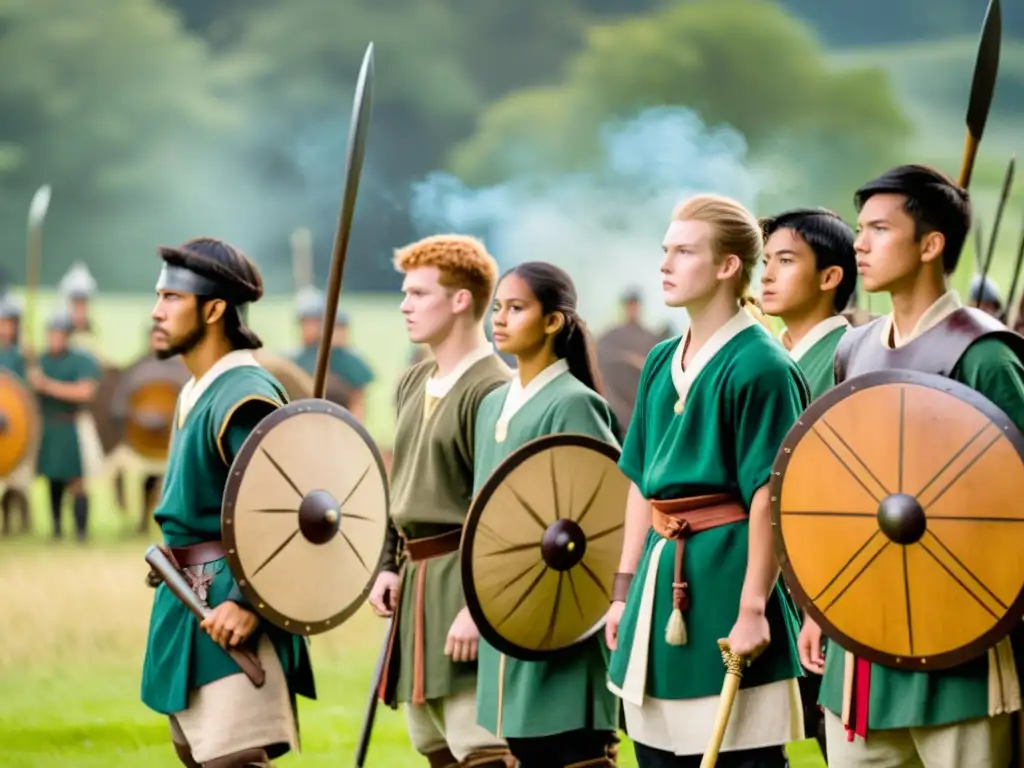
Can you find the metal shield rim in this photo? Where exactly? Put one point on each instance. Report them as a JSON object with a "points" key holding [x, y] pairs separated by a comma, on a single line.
{"points": [[245, 454], [808, 418], [35, 436], [525, 452]]}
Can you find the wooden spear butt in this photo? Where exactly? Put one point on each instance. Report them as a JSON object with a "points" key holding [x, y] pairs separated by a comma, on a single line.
{"points": [[967, 164]]}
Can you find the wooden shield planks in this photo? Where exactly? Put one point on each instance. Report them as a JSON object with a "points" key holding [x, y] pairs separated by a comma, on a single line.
{"points": [[897, 519], [305, 516], [20, 422], [541, 545]]}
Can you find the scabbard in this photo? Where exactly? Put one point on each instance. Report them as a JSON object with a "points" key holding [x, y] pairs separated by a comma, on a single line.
{"points": [[175, 581]]}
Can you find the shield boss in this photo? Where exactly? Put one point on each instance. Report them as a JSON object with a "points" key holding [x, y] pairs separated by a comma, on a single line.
{"points": [[541, 545], [19, 422], [897, 519], [305, 516]]}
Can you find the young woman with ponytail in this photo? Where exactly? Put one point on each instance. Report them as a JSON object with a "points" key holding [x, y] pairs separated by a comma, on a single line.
{"points": [[552, 713], [697, 565]]}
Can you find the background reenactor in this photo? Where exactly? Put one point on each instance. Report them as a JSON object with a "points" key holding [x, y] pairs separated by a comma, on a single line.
{"points": [[14, 496], [984, 294], [66, 381], [350, 375]]}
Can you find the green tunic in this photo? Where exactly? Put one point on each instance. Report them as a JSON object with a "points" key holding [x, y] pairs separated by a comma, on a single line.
{"points": [[816, 363], [12, 360], [60, 457], [431, 490], [542, 698], [738, 410], [180, 657], [900, 699], [345, 363]]}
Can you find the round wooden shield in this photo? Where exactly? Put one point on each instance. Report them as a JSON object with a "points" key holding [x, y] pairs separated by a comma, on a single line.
{"points": [[621, 353], [297, 383], [897, 519], [304, 517], [541, 545], [145, 403], [20, 422]]}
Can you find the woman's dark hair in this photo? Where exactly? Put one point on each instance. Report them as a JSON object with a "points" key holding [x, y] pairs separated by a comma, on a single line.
{"points": [[555, 291]]}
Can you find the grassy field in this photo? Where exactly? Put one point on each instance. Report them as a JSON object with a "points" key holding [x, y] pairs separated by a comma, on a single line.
{"points": [[73, 620]]}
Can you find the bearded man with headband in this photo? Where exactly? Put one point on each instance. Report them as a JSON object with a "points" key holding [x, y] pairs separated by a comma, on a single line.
{"points": [[218, 718]]}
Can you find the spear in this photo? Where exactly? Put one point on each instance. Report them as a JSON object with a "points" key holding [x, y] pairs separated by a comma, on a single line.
{"points": [[360, 125], [1004, 196], [1016, 276], [982, 87], [979, 245], [36, 215], [302, 258]]}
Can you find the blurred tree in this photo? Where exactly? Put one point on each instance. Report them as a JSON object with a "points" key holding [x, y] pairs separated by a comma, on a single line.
{"points": [[105, 101], [439, 62], [744, 63]]}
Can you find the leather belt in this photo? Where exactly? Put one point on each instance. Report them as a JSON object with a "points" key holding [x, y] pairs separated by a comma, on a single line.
{"points": [[198, 554], [433, 546]]}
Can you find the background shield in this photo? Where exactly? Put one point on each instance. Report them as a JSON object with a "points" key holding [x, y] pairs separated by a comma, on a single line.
{"points": [[897, 519], [109, 427], [20, 422], [305, 515], [296, 381], [621, 353], [145, 401], [541, 545]]}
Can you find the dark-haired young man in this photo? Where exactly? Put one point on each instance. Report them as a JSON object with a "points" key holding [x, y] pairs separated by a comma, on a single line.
{"points": [[911, 228], [219, 719], [810, 273]]}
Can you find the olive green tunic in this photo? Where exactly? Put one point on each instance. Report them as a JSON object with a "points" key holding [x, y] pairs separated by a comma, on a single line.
{"points": [[345, 363], [180, 657], [900, 699], [815, 354], [431, 490], [60, 456], [542, 698], [737, 411], [12, 360]]}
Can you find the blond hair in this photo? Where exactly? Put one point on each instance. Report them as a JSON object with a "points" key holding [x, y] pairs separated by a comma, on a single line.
{"points": [[734, 231], [463, 263]]}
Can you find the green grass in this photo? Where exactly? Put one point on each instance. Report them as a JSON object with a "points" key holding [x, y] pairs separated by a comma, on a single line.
{"points": [[73, 621]]}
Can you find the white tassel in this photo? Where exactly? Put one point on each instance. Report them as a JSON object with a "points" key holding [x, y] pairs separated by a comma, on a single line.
{"points": [[675, 632]]}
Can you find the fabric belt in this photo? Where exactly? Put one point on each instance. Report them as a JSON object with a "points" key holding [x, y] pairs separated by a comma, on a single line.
{"points": [[198, 554], [679, 519]]}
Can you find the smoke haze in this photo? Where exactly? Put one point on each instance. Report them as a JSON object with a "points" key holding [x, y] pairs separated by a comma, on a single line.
{"points": [[603, 226]]}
